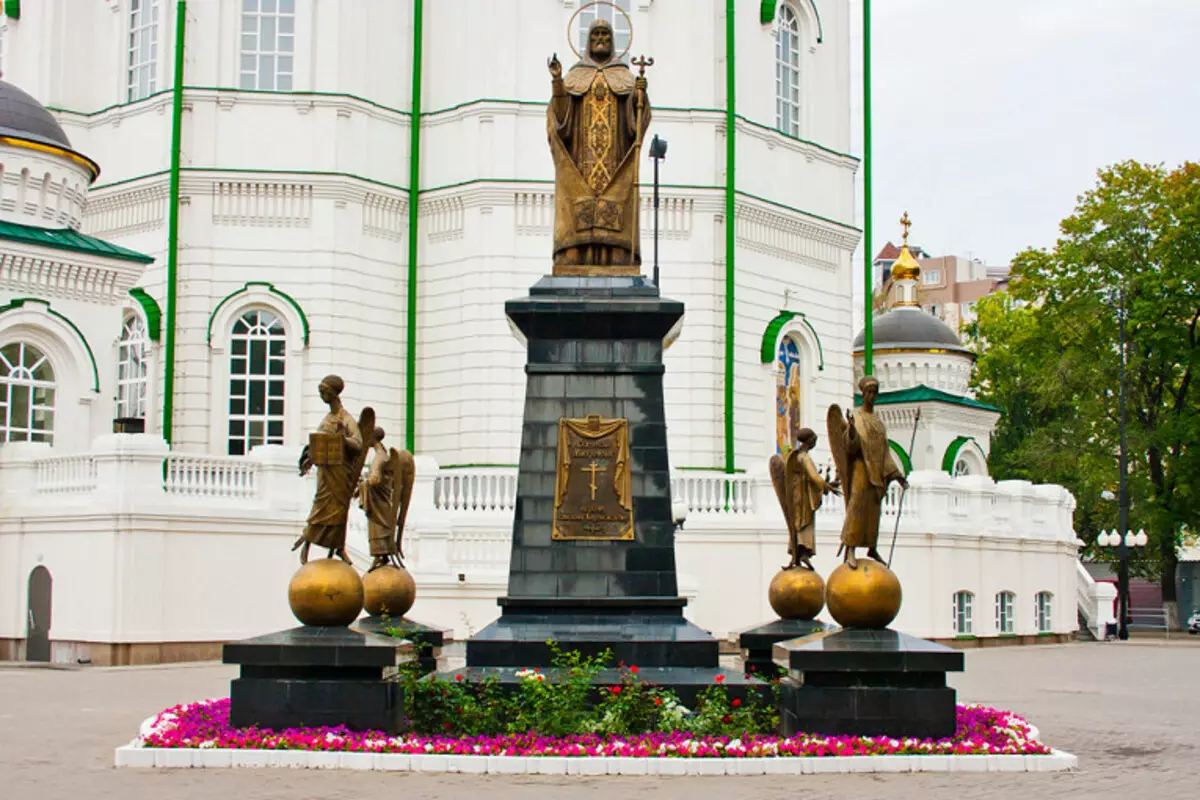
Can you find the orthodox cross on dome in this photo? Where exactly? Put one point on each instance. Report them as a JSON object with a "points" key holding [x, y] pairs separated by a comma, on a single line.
{"points": [[905, 223]]}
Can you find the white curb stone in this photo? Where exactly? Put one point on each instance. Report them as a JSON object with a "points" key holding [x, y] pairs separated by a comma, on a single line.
{"points": [[135, 756]]}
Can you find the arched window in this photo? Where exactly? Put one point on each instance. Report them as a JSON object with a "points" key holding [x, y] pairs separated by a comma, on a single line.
{"points": [[1044, 612], [787, 394], [619, 22], [787, 71], [962, 467], [962, 613], [26, 394], [132, 373], [1005, 608], [257, 361]]}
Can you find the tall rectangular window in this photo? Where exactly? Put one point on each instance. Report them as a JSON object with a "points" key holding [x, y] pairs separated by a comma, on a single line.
{"points": [[143, 48], [268, 44]]}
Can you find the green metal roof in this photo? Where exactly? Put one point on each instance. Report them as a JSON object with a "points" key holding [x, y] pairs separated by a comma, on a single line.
{"points": [[68, 239], [924, 394]]}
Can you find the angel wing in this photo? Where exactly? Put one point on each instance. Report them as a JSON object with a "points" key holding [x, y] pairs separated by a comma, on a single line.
{"points": [[404, 473], [778, 469], [835, 425], [366, 430]]}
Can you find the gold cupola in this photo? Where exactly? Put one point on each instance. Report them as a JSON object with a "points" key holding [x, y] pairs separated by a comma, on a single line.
{"points": [[906, 272]]}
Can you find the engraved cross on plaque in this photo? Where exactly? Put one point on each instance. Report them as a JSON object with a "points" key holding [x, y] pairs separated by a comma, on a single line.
{"points": [[593, 468]]}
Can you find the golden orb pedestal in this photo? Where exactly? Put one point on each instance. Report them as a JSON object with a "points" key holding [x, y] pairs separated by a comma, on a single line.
{"points": [[326, 593], [797, 593], [389, 590], [865, 597]]}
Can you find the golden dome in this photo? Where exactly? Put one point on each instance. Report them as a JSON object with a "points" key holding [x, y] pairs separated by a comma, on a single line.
{"points": [[906, 267]]}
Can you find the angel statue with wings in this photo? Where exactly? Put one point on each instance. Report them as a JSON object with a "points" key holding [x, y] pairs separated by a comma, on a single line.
{"points": [[865, 466], [338, 450], [384, 496], [800, 489]]}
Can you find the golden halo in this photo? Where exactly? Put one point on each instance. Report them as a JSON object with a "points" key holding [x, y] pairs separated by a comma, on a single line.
{"points": [[625, 14]]}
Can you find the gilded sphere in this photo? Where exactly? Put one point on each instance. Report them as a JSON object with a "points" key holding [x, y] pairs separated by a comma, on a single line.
{"points": [[797, 593], [326, 592], [389, 590], [866, 597]]}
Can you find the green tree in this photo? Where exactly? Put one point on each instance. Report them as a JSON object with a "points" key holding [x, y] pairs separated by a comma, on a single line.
{"points": [[1049, 356]]}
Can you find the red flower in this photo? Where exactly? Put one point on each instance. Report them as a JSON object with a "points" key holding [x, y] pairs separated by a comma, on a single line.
{"points": [[458, 677], [736, 702], [719, 678], [615, 689], [752, 668], [724, 719], [633, 669], [658, 701], [446, 725]]}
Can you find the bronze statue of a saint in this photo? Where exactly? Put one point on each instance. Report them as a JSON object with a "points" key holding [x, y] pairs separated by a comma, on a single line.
{"points": [[338, 450], [597, 117], [384, 495], [865, 467], [800, 489]]}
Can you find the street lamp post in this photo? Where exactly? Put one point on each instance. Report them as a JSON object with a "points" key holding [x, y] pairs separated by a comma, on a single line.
{"points": [[1123, 543], [658, 151], [1123, 488]]}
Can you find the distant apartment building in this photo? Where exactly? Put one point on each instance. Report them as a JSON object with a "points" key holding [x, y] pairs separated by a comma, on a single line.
{"points": [[950, 285]]}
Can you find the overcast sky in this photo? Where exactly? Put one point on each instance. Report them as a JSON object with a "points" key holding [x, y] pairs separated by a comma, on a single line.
{"points": [[992, 116]]}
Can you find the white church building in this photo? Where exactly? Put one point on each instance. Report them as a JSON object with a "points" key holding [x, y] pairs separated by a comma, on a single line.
{"points": [[212, 204]]}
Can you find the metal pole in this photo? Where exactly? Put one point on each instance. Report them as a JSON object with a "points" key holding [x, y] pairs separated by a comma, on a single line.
{"points": [[1123, 491], [656, 220]]}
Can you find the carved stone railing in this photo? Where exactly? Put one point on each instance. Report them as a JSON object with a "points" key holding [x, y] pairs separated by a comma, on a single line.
{"points": [[478, 490], [75, 474], [210, 476]]}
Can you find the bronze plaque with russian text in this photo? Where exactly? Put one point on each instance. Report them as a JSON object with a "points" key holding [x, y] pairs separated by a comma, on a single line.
{"points": [[592, 496]]}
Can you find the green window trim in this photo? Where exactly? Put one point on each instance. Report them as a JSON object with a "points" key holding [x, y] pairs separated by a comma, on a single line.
{"points": [[905, 461], [952, 453], [152, 311], [768, 9], [770, 340], [287, 298], [18, 302]]}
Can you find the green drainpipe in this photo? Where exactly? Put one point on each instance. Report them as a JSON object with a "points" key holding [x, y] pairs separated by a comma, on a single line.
{"points": [[730, 238], [173, 223], [868, 251], [414, 195]]}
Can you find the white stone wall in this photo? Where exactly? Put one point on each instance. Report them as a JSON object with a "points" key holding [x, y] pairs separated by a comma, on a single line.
{"points": [[341, 141]]}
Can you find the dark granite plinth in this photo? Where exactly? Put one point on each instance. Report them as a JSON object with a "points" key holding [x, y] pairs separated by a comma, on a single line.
{"points": [[756, 643], [426, 639], [312, 676], [868, 683]]}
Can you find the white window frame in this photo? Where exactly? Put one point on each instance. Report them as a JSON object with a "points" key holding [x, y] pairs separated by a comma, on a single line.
{"points": [[931, 277], [962, 603], [24, 350], [1006, 603], [621, 31], [789, 98], [262, 22], [254, 296], [1043, 609], [256, 329], [125, 347], [141, 65]]}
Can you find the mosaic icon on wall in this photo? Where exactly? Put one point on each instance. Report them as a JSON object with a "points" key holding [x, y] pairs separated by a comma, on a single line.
{"points": [[787, 395]]}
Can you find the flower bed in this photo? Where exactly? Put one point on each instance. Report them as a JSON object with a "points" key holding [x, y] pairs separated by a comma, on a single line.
{"points": [[205, 725]]}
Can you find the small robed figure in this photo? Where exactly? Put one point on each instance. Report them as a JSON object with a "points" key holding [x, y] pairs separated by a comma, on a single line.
{"points": [[597, 117], [384, 496], [337, 449], [865, 467], [800, 489]]}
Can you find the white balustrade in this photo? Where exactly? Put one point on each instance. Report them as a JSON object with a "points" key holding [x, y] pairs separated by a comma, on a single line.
{"points": [[210, 476], [482, 490], [714, 492], [66, 474]]}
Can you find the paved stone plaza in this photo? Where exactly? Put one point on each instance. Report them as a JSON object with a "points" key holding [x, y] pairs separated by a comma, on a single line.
{"points": [[1129, 711]]}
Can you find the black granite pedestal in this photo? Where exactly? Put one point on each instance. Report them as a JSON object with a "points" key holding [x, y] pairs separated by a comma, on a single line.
{"points": [[426, 640], [867, 683], [310, 676], [757, 643], [594, 348]]}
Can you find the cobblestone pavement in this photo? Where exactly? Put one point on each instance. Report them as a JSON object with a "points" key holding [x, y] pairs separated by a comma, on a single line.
{"points": [[1130, 712]]}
